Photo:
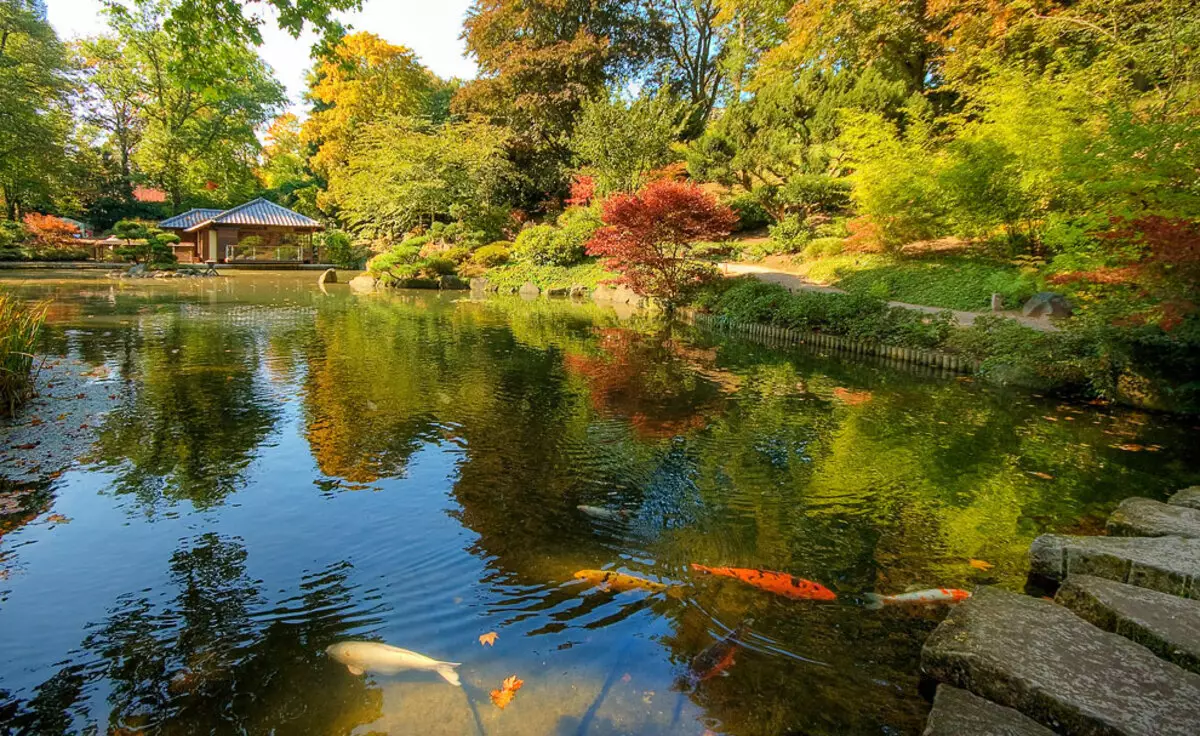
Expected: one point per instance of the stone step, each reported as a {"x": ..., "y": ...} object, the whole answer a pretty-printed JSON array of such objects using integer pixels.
[
  {"x": 1165, "y": 624},
  {"x": 1145, "y": 517},
  {"x": 957, "y": 712},
  {"x": 1167, "y": 564},
  {"x": 1189, "y": 497},
  {"x": 1039, "y": 658}
]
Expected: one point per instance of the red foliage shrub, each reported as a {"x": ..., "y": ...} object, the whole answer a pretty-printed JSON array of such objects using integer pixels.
[
  {"x": 865, "y": 236},
  {"x": 583, "y": 189},
  {"x": 48, "y": 230},
  {"x": 649, "y": 237}
]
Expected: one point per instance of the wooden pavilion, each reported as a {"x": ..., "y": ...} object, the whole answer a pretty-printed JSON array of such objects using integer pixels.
[{"x": 257, "y": 231}]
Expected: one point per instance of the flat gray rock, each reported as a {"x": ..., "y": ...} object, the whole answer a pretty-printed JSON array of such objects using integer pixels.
[
  {"x": 1167, "y": 564},
  {"x": 1165, "y": 624},
  {"x": 1145, "y": 517},
  {"x": 1189, "y": 497},
  {"x": 957, "y": 712},
  {"x": 1039, "y": 658}
]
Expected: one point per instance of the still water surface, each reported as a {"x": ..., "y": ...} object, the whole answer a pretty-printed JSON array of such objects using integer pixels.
[{"x": 274, "y": 469}]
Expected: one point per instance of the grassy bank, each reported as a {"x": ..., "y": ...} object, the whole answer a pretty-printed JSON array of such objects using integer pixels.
[
  {"x": 512, "y": 276},
  {"x": 949, "y": 282},
  {"x": 1144, "y": 365},
  {"x": 19, "y": 327}
]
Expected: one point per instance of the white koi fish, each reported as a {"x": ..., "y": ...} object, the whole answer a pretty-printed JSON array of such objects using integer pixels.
[
  {"x": 933, "y": 595},
  {"x": 596, "y": 512},
  {"x": 370, "y": 656}
]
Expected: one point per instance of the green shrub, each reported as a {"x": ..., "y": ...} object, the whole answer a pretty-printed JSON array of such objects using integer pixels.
[
  {"x": 457, "y": 254},
  {"x": 12, "y": 233},
  {"x": 790, "y": 234},
  {"x": 492, "y": 255},
  {"x": 823, "y": 247},
  {"x": 747, "y": 300},
  {"x": 437, "y": 266},
  {"x": 545, "y": 245},
  {"x": 751, "y": 214},
  {"x": 390, "y": 261},
  {"x": 337, "y": 247}
]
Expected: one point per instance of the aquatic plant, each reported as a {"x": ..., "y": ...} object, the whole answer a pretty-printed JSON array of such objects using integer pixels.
[{"x": 19, "y": 327}]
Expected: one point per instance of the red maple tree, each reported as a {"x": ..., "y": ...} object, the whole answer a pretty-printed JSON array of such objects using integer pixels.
[
  {"x": 48, "y": 231},
  {"x": 650, "y": 238}
]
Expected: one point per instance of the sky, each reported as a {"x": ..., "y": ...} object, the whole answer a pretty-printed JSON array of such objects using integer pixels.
[{"x": 428, "y": 27}]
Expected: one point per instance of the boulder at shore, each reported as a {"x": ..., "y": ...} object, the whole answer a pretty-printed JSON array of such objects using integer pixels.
[
  {"x": 1039, "y": 658},
  {"x": 957, "y": 713},
  {"x": 1145, "y": 517},
  {"x": 1167, "y": 564},
  {"x": 1165, "y": 624}
]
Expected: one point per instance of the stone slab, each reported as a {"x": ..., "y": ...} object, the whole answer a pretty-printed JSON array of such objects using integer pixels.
[
  {"x": 1167, "y": 564},
  {"x": 1145, "y": 517},
  {"x": 957, "y": 712},
  {"x": 1189, "y": 497},
  {"x": 1165, "y": 624},
  {"x": 1039, "y": 658}
]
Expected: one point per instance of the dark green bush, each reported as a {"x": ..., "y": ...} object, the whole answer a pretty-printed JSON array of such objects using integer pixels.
[{"x": 751, "y": 214}]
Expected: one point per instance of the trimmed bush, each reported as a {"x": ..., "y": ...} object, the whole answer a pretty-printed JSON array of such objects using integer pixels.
[{"x": 492, "y": 255}]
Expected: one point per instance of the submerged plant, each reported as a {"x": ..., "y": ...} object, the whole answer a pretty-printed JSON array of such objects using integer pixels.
[{"x": 19, "y": 327}]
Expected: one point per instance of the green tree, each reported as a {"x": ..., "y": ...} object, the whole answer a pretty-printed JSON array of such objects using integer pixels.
[
  {"x": 153, "y": 246},
  {"x": 201, "y": 105},
  {"x": 538, "y": 61},
  {"x": 34, "y": 118},
  {"x": 402, "y": 173},
  {"x": 621, "y": 142}
]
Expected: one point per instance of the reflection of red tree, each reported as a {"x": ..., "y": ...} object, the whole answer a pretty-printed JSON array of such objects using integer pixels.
[{"x": 641, "y": 378}]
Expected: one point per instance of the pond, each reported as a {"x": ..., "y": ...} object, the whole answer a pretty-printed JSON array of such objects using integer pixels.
[{"x": 255, "y": 470}]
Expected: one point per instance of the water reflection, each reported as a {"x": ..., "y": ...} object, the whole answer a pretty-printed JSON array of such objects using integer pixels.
[{"x": 304, "y": 468}]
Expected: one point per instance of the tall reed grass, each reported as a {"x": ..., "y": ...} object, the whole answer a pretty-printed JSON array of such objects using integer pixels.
[{"x": 20, "y": 324}]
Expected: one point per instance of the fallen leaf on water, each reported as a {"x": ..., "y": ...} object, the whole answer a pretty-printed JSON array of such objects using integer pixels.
[
  {"x": 26, "y": 446},
  {"x": 1128, "y": 448},
  {"x": 851, "y": 398},
  {"x": 81, "y": 396},
  {"x": 508, "y": 689},
  {"x": 981, "y": 565},
  {"x": 57, "y": 519},
  {"x": 488, "y": 638},
  {"x": 1039, "y": 474}
]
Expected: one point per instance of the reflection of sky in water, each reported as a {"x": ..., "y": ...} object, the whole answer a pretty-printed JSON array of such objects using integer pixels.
[{"x": 269, "y": 481}]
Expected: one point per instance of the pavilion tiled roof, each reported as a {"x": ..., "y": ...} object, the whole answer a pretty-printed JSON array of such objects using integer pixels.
[
  {"x": 255, "y": 212},
  {"x": 185, "y": 220}
]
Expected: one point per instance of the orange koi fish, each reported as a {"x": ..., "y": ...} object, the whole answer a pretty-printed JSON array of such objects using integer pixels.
[
  {"x": 715, "y": 659},
  {"x": 933, "y": 595},
  {"x": 779, "y": 583}
]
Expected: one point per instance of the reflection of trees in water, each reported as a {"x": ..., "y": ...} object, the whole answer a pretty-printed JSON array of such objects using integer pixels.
[
  {"x": 640, "y": 378},
  {"x": 191, "y": 415},
  {"x": 216, "y": 658}
]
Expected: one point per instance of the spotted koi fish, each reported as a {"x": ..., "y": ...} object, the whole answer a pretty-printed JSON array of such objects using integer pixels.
[
  {"x": 779, "y": 583},
  {"x": 933, "y": 595},
  {"x": 619, "y": 582}
]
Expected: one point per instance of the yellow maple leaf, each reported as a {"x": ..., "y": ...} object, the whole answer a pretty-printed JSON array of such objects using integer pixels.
[
  {"x": 981, "y": 565},
  {"x": 488, "y": 639}
]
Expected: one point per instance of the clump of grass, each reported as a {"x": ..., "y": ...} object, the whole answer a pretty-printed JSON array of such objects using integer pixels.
[{"x": 19, "y": 327}]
